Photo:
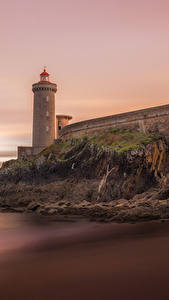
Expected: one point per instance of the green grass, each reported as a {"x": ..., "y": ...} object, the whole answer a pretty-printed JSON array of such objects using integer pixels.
[
  {"x": 58, "y": 150},
  {"x": 119, "y": 140},
  {"x": 123, "y": 140}
]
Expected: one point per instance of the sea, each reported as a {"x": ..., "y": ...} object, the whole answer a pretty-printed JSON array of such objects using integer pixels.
[{"x": 45, "y": 258}]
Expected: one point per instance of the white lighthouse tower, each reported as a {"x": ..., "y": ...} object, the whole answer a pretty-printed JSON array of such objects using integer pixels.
[{"x": 46, "y": 126}]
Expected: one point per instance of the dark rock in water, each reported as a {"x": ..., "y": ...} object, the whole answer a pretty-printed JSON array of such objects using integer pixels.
[{"x": 33, "y": 206}]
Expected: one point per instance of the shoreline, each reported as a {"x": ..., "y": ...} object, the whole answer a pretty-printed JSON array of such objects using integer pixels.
[
  {"x": 48, "y": 200},
  {"x": 90, "y": 217}
]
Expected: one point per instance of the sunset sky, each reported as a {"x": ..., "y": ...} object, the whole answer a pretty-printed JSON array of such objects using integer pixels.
[{"x": 106, "y": 56}]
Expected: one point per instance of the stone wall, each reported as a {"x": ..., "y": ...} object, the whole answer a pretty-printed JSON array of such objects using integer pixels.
[
  {"x": 61, "y": 121},
  {"x": 24, "y": 152},
  {"x": 153, "y": 120}
]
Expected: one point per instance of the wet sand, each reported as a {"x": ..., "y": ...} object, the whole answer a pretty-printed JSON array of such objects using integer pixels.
[{"x": 41, "y": 259}]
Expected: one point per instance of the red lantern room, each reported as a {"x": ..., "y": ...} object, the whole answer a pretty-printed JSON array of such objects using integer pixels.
[{"x": 44, "y": 76}]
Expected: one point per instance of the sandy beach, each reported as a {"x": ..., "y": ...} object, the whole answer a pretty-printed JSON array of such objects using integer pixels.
[{"x": 44, "y": 259}]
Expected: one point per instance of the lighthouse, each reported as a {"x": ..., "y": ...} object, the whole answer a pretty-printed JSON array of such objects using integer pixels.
[
  {"x": 43, "y": 112},
  {"x": 46, "y": 125}
]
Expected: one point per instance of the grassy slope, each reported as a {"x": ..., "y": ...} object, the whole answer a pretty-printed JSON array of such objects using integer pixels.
[
  {"x": 115, "y": 140},
  {"x": 123, "y": 140}
]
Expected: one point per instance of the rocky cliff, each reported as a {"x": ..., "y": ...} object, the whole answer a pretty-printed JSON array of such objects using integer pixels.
[{"x": 120, "y": 175}]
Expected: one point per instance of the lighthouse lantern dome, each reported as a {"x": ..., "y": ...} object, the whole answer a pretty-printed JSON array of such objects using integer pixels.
[{"x": 44, "y": 76}]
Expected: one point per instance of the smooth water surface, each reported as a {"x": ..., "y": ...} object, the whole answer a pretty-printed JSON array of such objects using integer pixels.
[{"x": 44, "y": 259}]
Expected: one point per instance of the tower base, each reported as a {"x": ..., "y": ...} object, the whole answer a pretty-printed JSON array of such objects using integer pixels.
[{"x": 25, "y": 152}]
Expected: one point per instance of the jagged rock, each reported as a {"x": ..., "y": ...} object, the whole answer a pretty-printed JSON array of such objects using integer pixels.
[
  {"x": 40, "y": 161},
  {"x": 33, "y": 206},
  {"x": 105, "y": 182}
]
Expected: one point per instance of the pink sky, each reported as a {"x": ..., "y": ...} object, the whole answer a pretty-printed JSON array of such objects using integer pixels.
[{"x": 106, "y": 57}]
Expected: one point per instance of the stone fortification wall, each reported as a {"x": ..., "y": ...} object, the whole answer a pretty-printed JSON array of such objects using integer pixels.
[
  {"x": 153, "y": 120},
  {"x": 24, "y": 152}
]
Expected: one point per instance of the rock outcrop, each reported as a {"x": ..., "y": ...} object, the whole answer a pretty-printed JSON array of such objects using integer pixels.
[{"x": 120, "y": 175}]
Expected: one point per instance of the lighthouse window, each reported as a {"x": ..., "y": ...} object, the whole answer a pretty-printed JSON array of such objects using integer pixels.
[
  {"x": 47, "y": 99},
  {"x": 47, "y": 114},
  {"x": 47, "y": 128},
  {"x": 59, "y": 125}
]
